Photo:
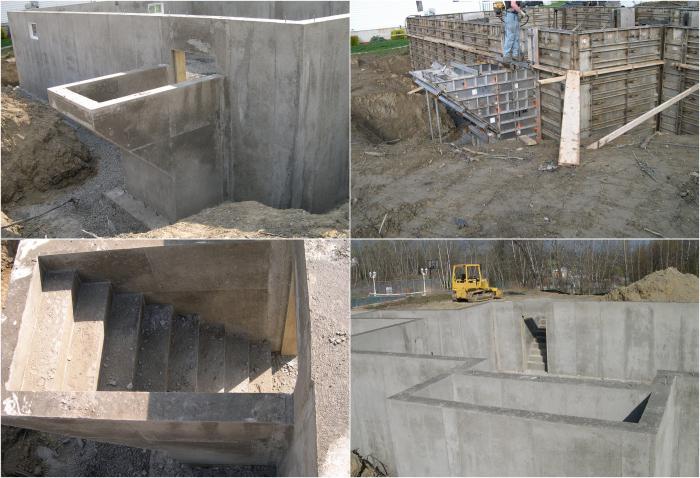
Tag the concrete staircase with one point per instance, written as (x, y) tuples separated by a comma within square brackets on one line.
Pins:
[(91, 338), (537, 356)]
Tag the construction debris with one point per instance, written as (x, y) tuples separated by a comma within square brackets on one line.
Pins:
[(668, 285)]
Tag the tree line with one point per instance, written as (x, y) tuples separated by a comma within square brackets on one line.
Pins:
[(579, 266)]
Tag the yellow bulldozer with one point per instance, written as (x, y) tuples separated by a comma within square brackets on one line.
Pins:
[(469, 285)]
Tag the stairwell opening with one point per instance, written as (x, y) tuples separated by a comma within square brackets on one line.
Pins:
[(536, 344)]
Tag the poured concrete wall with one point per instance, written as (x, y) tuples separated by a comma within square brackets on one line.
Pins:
[(409, 413), (285, 100), (622, 340), (285, 10)]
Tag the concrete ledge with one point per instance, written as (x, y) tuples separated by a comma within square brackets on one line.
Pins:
[(136, 209)]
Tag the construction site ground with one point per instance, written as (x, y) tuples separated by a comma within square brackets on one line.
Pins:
[(406, 185), (50, 162), (667, 285)]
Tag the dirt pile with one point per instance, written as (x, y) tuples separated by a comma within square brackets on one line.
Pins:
[(40, 151), (252, 219), (381, 106), (9, 71), (667, 285)]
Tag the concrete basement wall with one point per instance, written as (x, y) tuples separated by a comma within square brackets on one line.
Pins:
[(622, 340), (284, 10), (241, 284), (285, 102)]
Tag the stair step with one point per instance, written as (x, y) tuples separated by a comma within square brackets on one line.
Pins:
[(88, 336), (154, 348), (184, 349), (237, 371), (49, 346), (535, 366), (211, 359), (121, 342), (260, 368)]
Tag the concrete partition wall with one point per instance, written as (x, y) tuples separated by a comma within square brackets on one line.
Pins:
[(285, 95), (622, 340)]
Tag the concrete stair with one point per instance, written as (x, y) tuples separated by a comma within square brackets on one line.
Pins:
[(537, 354), (92, 338)]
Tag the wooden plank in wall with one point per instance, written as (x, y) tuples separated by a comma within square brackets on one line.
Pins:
[(179, 66), (569, 150)]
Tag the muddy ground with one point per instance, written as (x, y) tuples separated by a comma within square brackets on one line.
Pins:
[(419, 188), (55, 172)]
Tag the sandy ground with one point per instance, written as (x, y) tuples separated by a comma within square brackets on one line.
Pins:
[(668, 285), (252, 219), (419, 188), (50, 162)]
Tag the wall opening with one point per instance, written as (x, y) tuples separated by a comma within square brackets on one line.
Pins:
[(155, 8), (33, 31)]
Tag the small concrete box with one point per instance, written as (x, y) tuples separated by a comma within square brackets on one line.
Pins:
[(167, 132)]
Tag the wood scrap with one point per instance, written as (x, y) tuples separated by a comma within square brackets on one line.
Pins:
[(415, 90), (527, 140), (658, 234), (374, 153), (382, 225)]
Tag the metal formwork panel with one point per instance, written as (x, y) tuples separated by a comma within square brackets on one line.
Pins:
[(501, 100), (680, 46), (663, 15), (620, 46)]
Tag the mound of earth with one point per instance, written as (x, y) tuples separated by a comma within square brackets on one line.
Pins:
[(668, 285), (9, 71), (381, 105), (40, 151), (253, 219)]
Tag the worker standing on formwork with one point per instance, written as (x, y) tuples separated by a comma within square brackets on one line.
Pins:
[(511, 47)]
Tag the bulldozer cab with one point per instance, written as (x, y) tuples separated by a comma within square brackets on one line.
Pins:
[(466, 273)]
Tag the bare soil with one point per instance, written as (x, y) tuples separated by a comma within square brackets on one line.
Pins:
[(32, 453), (41, 153), (9, 71), (420, 188), (252, 219), (668, 285)]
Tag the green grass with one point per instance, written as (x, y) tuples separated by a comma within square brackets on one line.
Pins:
[(6, 42), (378, 46)]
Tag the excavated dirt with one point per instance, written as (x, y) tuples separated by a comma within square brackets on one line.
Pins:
[(253, 219), (32, 453), (381, 107), (9, 71), (668, 285), (419, 188), (40, 151)]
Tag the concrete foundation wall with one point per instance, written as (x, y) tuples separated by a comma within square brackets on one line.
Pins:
[(285, 10), (622, 340), (285, 95), (447, 440)]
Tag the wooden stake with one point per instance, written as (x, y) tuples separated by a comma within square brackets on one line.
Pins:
[(641, 119), (569, 145), (179, 66)]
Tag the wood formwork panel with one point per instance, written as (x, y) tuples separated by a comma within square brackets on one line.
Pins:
[(680, 46)]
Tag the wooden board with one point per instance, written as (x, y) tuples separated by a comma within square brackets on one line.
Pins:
[(569, 147), (179, 66), (637, 121)]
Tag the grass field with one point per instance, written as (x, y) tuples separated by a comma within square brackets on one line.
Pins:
[(379, 46), (6, 42)]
